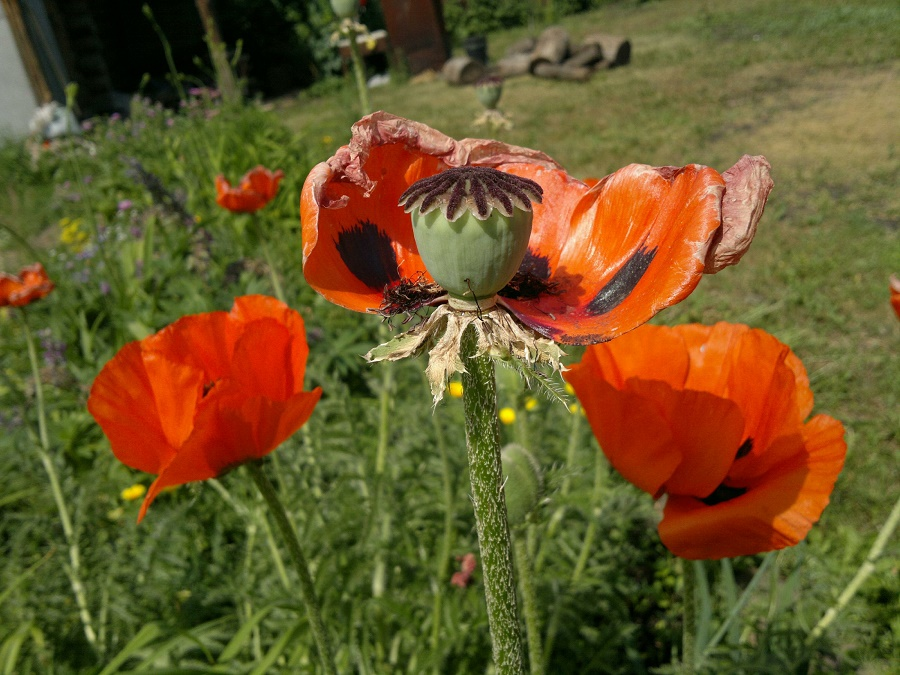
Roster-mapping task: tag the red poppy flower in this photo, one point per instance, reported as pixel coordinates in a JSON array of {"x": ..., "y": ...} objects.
[
  {"x": 713, "y": 417},
  {"x": 258, "y": 187},
  {"x": 895, "y": 295},
  {"x": 207, "y": 393},
  {"x": 31, "y": 284},
  {"x": 602, "y": 258}
]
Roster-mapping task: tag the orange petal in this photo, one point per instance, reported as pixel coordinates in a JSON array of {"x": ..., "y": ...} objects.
[
  {"x": 636, "y": 244},
  {"x": 200, "y": 341},
  {"x": 123, "y": 403},
  {"x": 250, "y": 308},
  {"x": 635, "y": 438},
  {"x": 775, "y": 512},
  {"x": 648, "y": 352},
  {"x": 767, "y": 390},
  {"x": 352, "y": 250},
  {"x": 232, "y": 429}
]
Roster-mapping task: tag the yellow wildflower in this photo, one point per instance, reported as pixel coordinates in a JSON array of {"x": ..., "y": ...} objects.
[
  {"x": 136, "y": 491},
  {"x": 570, "y": 390},
  {"x": 72, "y": 235},
  {"x": 531, "y": 403},
  {"x": 507, "y": 415},
  {"x": 456, "y": 389}
]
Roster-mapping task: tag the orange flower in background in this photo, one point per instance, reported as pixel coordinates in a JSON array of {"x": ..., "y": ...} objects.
[
  {"x": 257, "y": 188},
  {"x": 713, "y": 417},
  {"x": 895, "y": 295},
  {"x": 602, "y": 258},
  {"x": 207, "y": 393},
  {"x": 31, "y": 284}
]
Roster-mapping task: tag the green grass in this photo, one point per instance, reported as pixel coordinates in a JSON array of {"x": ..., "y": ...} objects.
[{"x": 809, "y": 84}]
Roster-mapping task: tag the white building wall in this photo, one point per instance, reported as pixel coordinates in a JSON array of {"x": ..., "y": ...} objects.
[{"x": 17, "y": 101}]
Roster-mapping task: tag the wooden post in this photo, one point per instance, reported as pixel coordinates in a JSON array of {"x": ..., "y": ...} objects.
[{"x": 26, "y": 51}]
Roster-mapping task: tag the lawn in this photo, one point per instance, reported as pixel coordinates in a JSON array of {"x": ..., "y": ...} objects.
[{"x": 376, "y": 482}]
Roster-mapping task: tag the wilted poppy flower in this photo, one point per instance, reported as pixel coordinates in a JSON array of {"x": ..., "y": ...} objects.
[
  {"x": 31, "y": 284},
  {"x": 713, "y": 417},
  {"x": 207, "y": 393},
  {"x": 257, "y": 188},
  {"x": 601, "y": 259},
  {"x": 895, "y": 294}
]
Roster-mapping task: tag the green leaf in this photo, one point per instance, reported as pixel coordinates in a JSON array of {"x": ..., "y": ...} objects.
[
  {"x": 242, "y": 637},
  {"x": 145, "y": 636}
]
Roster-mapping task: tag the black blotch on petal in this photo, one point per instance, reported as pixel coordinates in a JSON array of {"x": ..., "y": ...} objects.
[
  {"x": 723, "y": 493},
  {"x": 531, "y": 280},
  {"x": 620, "y": 286},
  {"x": 535, "y": 265},
  {"x": 368, "y": 254},
  {"x": 745, "y": 449}
]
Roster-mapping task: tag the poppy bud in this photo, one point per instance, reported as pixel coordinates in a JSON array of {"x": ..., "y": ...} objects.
[
  {"x": 345, "y": 9},
  {"x": 524, "y": 482},
  {"x": 472, "y": 225},
  {"x": 488, "y": 91}
]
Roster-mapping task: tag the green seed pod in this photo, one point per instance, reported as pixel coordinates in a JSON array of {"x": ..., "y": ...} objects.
[
  {"x": 345, "y": 9},
  {"x": 472, "y": 226},
  {"x": 488, "y": 91},
  {"x": 524, "y": 482}
]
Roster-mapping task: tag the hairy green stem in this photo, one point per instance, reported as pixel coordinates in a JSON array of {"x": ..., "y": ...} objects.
[
  {"x": 74, "y": 569},
  {"x": 689, "y": 628},
  {"x": 865, "y": 570},
  {"x": 529, "y": 605},
  {"x": 307, "y": 587},
  {"x": 486, "y": 474}
]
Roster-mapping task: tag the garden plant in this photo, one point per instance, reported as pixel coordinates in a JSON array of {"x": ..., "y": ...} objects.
[{"x": 290, "y": 389}]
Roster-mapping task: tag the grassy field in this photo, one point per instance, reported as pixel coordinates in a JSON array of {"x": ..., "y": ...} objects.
[{"x": 812, "y": 85}]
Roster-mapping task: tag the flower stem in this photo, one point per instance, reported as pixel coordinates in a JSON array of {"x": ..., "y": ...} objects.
[
  {"x": 486, "y": 474},
  {"x": 737, "y": 608},
  {"x": 381, "y": 517},
  {"x": 359, "y": 74},
  {"x": 443, "y": 561},
  {"x": 74, "y": 570},
  {"x": 688, "y": 637},
  {"x": 861, "y": 575},
  {"x": 307, "y": 588},
  {"x": 529, "y": 605},
  {"x": 267, "y": 255}
]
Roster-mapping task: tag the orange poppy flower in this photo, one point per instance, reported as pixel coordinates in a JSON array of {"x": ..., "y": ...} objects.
[
  {"x": 31, "y": 284},
  {"x": 257, "y": 188},
  {"x": 207, "y": 393},
  {"x": 713, "y": 417},
  {"x": 895, "y": 295},
  {"x": 602, "y": 258}
]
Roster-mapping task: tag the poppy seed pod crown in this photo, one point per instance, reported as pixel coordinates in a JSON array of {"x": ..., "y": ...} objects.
[{"x": 472, "y": 225}]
